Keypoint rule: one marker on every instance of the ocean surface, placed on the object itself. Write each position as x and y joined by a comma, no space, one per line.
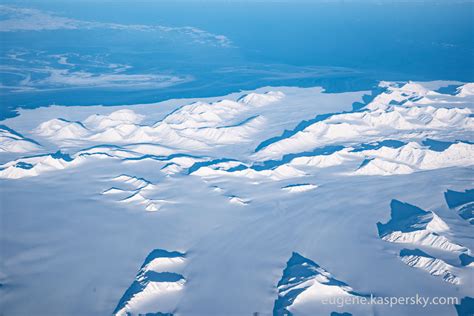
115,53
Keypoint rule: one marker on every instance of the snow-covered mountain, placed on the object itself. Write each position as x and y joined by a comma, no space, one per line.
305,285
157,286
270,201
11,141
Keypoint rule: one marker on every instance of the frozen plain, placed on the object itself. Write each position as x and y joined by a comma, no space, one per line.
223,206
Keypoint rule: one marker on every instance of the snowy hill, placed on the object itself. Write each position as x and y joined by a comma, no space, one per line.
12,142
156,287
305,284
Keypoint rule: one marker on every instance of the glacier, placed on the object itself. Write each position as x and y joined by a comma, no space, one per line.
260,202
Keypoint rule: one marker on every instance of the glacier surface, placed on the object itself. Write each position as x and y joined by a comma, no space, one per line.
223,205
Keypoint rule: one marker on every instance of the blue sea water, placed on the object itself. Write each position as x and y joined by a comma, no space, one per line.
340,45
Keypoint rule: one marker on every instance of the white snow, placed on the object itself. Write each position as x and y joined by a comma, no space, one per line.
433,266
410,157
196,125
12,142
237,184
466,90
305,286
412,225
237,200
294,188
424,238
35,165
60,129
259,99
156,287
